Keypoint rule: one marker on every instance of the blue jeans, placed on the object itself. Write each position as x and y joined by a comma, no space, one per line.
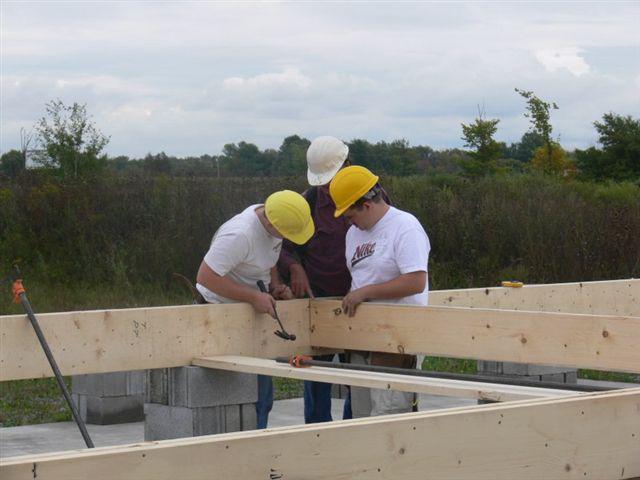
317,399
265,400
346,411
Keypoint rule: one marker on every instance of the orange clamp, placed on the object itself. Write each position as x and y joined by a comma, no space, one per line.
18,289
298,360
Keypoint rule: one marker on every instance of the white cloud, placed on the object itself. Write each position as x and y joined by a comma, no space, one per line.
189,78
288,78
568,58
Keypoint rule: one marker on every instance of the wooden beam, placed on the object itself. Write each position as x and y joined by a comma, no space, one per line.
131,339
612,297
140,338
385,381
583,341
588,436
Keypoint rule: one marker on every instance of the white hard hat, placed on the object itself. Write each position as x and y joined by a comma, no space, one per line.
325,156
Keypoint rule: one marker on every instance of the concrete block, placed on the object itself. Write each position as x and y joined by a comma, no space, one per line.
525,371
87,384
166,421
489,367
110,410
248,416
136,382
81,404
203,387
232,418
163,422
157,386
571,377
511,368
112,384
210,420
552,377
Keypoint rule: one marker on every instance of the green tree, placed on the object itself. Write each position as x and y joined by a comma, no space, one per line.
159,164
485,151
70,141
619,158
523,150
244,160
538,113
361,153
292,156
12,163
402,159
118,164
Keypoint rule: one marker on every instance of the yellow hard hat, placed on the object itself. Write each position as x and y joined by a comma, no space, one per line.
290,214
349,185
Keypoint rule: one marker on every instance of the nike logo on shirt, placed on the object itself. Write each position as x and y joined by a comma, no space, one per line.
363,251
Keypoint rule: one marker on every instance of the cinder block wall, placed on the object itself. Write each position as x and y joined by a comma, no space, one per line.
192,401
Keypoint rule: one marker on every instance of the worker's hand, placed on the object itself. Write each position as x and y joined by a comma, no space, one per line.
351,301
264,303
282,292
299,281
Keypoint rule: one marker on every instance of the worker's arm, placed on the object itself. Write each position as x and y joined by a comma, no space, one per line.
299,281
278,289
289,264
402,286
224,286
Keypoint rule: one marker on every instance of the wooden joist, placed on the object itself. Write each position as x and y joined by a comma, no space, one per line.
385,381
586,436
584,341
610,297
139,338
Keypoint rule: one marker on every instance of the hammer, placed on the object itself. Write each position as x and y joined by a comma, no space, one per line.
282,333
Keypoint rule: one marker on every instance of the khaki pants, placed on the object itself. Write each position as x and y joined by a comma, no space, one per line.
371,402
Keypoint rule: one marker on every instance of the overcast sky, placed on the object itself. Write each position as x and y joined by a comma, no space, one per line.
186,78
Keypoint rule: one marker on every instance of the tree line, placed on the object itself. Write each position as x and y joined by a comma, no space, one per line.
68,144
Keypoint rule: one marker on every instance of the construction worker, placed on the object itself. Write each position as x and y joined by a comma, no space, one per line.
317,268
244,250
387,252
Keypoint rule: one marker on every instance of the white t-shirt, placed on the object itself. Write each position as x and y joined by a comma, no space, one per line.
243,251
396,245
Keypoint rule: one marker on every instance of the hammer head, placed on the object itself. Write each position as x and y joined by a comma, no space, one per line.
284,335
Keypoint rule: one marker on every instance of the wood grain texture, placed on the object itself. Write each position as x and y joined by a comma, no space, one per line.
385,381
584,341
589,436
139,338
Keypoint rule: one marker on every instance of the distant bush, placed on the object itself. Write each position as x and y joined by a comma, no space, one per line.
117,229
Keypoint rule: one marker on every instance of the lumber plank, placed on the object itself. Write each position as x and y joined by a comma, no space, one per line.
587,436
601,342
130,339
385,381
140,338
610,297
